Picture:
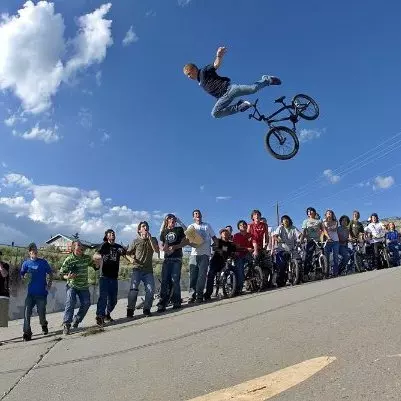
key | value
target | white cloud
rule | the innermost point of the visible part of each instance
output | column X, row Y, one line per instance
column 70, row 209
column 222, row 198
column 306, row 135
column 19, row 180
column 10, row 121
column 49, row 135
column 85, row 118
column 105, row 137
column 35, row 58
column 99, row 78
column 4, row 164
column 150, row 13
column 202, row 188
column 183, row 3
column 383, row 182
column 130, row 37
column 334, row 179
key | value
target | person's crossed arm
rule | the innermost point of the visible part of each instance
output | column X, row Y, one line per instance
column 221, row 51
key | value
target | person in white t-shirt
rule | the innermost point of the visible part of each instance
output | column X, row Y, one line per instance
column 199, row 259
column 376, row 233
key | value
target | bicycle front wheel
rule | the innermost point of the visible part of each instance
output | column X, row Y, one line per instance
column 306, row 107
column 282, row 143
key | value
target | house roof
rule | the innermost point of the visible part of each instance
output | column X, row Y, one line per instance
column 70, row 238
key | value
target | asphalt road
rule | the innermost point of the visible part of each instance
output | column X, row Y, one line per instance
column 201, row 349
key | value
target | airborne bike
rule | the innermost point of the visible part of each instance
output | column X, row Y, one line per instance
column 282, row 142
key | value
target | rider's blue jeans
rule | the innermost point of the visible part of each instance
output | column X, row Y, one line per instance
column 396, row 254
column 222, row 107
column 332, row 246
column 108, row 291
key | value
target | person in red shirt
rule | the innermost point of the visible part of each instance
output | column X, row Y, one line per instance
column 259, row 232
column 242, row 239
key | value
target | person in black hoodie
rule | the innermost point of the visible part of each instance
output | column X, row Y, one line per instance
column 108, row 256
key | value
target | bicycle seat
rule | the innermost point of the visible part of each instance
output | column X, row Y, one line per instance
column 280, row 99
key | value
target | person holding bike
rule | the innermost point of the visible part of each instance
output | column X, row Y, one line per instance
column 223, row 249
column 242, row 239
column 356, row 229
column 286, row 238
column 392, row 240
column 376, row 232
column 312, row 230
column 222, row 88
column 330, row 226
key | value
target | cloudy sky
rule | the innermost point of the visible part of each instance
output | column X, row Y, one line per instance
column 100, row 128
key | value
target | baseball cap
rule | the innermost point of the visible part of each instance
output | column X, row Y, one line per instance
column 32, row 247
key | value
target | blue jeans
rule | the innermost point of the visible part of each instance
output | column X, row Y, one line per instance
column 345, row 253
column 30, row 302
column 108, row 290
column 70, row 302
column 171, row 275
column 149, row 283
column 222, row 107
column 198, row 265
column 240, row 270
column 396, row 254
column 332, row 246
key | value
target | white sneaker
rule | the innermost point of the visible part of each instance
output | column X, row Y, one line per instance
column 245, row 105
column 271, row 80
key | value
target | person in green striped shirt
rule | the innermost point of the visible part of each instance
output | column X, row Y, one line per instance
column 75, row 270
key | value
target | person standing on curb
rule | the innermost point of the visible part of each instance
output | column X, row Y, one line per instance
column 4, row 292
column 36, row 270
column 142, row 250
column 75, row 270
column 199, row 259
column 172, row 239
column 109, row 256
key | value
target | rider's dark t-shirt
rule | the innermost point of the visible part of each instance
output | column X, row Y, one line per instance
column 211, row 82
column 4, row 282
column 356, row 228
column 111, row 259
column 173, row 236
column 224, row 249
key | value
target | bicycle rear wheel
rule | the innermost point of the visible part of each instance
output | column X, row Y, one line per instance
column 282, row 143
column 305, row 106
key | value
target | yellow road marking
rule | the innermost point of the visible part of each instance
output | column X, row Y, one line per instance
column 268, row 386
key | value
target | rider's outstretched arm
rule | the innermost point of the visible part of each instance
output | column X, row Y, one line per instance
column 221, row 51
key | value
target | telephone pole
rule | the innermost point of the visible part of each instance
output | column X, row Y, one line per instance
column 277, row 214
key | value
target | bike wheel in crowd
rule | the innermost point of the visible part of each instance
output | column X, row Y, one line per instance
column 358, row 262
column 386, row 259
column 259, row 279
column 229, row 284
column 305, row 107
column 295, row 269
column 282, row 143
column 324, row 265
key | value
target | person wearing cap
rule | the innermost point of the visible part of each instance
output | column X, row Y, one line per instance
column 109, row 255
column 75, row 270
column 4, row 292
column 40, row 276
column 142, row 250
column 172, row 239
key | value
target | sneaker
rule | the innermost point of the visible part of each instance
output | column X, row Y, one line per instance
column 27, row 336
column 147, row 312
column 191, row 300
column 45, row 330
column 99, row 321
column 177, row 306
column 66, row 329
column 161, row 309
column 272, row 80
column 75, row 324
column 130, row 313
column 108, row 318
column 199, row 300
column 244, row 105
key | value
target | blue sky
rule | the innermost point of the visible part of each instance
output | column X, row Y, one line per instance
column 116, row 133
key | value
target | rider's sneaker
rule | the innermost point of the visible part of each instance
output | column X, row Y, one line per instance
column 66, row 329
column 108, row 318
column 271, row 80
column 244, row 105
column 130, row 313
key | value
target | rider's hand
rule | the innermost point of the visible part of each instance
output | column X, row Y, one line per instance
column 255, row 254
column 71, row 276
column 221, row 51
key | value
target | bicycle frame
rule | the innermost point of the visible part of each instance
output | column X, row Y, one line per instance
column 293, row 117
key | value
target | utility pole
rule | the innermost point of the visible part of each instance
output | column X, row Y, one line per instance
column 277, row 214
